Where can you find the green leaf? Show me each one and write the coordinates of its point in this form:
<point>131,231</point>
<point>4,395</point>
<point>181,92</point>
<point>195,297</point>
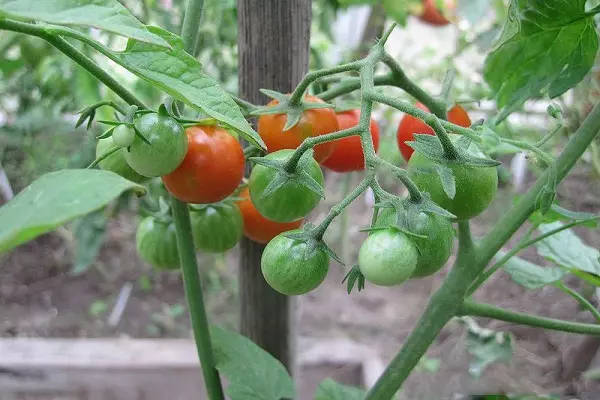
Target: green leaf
<point>55,199</point>
<point>546,45</point>
<point>253,374</point>
<point>447,178</point>
<point>486,346</point>
<point>180,75</point>
<point>568,251</point>
<point>558,213</point>
<point>89,235</point>
<point>107,15</point>
<point>529,275</point>
<point>331,390</point>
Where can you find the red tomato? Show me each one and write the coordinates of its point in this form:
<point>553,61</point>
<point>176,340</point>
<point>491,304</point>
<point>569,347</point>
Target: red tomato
<point>257,227</point>
<point>314,122</point>
<point>410,125</point>
<point>212,169</point>
<point>432,15</point>
<point>348,154</point>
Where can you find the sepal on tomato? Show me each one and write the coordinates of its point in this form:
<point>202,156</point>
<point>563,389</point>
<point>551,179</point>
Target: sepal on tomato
<point>431,147</point>
<point>308,234</point>
<point>354,278</point>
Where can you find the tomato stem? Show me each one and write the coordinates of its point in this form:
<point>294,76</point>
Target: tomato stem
<point>193,294</point>
<point>485,310</point>
<point>103,156</point>
<point>76,55</point>
<point>580,299</point>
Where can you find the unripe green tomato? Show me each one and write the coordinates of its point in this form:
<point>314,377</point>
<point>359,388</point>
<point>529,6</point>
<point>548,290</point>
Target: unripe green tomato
<point>288,268</point>
<point>387,257</point>
<point>123,135</point>
<point>157,244</point>
<point>167,148</point>
<point>475,186</point>
<point>436,249</point>
<point>217,227</point>
<point>292,201</point>
<point>116,161</point>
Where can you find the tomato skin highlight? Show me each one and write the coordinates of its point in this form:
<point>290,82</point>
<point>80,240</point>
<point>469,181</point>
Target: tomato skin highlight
<point>314,122</point>
<point>475,186</point>
<point>258,228</point>
<point>347,153</point>
<point>123,135</point>
<point>387,257</point>
<point>116,161</point>
<point>433,16</point>
<point>212,168</point>
<point>156,244</point>
<point>217,227</point>
<point>410,125</point>
<point>436,249</point>
<point>290,202</point>
<point>166,150</point>
<point>288,270</point>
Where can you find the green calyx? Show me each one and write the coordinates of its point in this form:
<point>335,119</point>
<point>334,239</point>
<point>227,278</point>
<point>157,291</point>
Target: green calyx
<point>310,235</point>
<point>292,111</point>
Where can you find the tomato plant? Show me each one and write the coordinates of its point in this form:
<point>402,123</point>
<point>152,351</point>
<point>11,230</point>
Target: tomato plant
<point>292,201</point>
<point>313,122</point>
<point>410,125</point>
<point>347,153</point>
<point>156,243</point>
<point>116,162</point>
<point>166,147</point>
<point>216,227</point>
<point>258,228</point>
<point>212,168</point>
<point>291,268</point>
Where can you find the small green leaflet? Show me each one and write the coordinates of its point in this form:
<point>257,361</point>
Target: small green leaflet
<point>529,275</point>
<point>180,75</point>
<point>107,15</point>
<point>253,374</point>
<point>89,232</point>
<point>568,251</point>
<point>546,45</point>
<point>55,199</point>
<point>486,346</point>
<point>331,390</point>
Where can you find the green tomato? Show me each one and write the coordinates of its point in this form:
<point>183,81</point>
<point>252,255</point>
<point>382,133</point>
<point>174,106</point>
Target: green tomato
<point>475,186</point>
<point>292,201</point>
<point>288,268</point>
<point>157,244</point>
<point>387,257</point>
<point>116,161</point>
<point>123,135</point>
<point>436,249</point>
<point>167,148</point>
<point>217,227</point>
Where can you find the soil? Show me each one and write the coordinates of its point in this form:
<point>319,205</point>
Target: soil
<point>40,297</point>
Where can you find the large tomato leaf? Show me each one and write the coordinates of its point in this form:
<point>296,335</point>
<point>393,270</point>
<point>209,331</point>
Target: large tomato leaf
<point>55,199</point>
<point>253,374</point>
<point>529,275</point>
<point>180,75</point>
<point>546,46</point>
<point>331,390</point>
<point>107,15</point>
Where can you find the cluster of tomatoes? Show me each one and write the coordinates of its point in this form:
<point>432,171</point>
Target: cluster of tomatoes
<point>204,166</point>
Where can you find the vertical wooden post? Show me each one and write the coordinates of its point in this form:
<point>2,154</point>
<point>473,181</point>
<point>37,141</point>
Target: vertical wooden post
<point>273,44</point>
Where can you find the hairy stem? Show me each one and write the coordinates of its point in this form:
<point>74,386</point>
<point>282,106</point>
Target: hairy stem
<point>484,310</point>
<point>580,299</point>
<point>193,294</point>
<point>77,56</point>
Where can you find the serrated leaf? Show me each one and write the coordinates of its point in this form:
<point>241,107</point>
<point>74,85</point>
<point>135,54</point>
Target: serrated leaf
<point>55,199</point>
<point>354,277</point>
<point>545,45</point>
<point>180,75</point>
<point>447,178</point>
<point>568,251</point>
<point>89,232</point>
<point>529,275</point>
<point>253,374</point>
<point>331,390</point>
<point>107,15</point>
